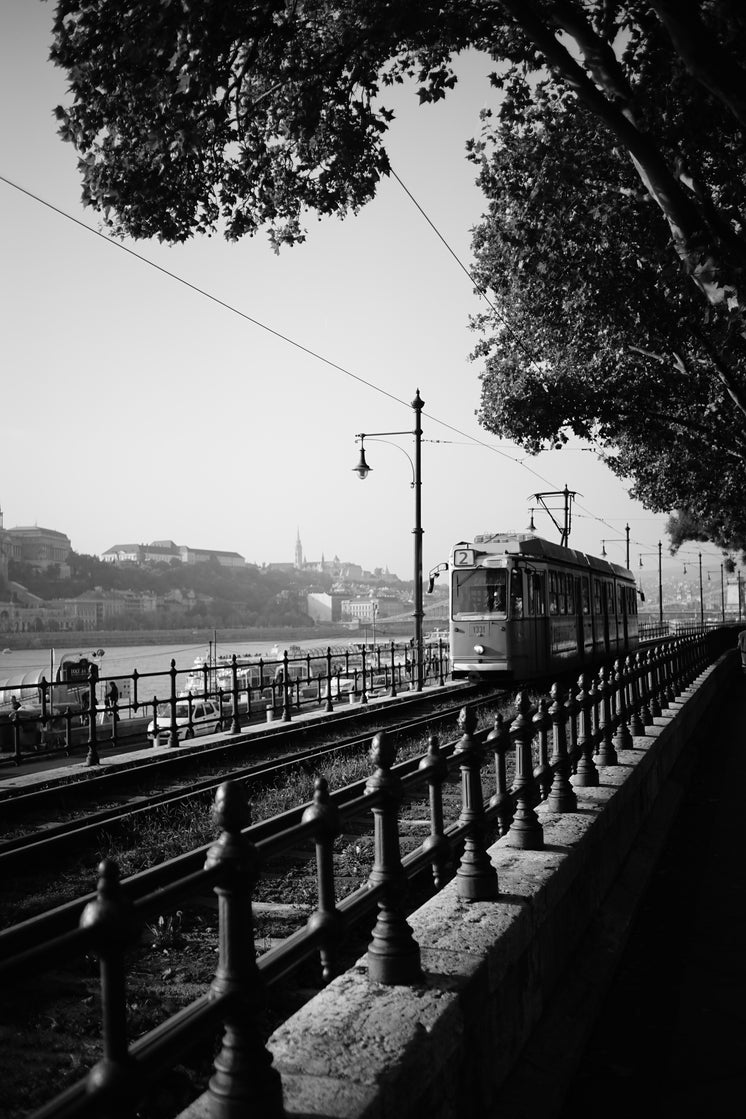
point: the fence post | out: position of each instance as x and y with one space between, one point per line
476 876
562 797
329 704
111 920
435 768
235 722
173 731
542 772
393 953
92 757
622 737
606 754
525 832
364 692
586 774
392 693
498 740
244 1081
323 813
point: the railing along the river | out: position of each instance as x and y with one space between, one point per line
166 705
557 743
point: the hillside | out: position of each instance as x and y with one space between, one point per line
207 594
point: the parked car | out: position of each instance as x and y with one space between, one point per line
205 718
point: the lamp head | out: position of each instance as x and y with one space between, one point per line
362 469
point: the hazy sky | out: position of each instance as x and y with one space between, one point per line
137 409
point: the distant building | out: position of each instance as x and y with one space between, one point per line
324 607
166 551
39 547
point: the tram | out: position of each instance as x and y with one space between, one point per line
522 607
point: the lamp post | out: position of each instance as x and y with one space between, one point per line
617 540
708 571
660 577
362 470
701 599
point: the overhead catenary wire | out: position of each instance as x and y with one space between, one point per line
281 336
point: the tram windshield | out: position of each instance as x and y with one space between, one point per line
480 592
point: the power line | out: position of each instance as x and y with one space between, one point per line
286 338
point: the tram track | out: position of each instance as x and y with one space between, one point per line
40 840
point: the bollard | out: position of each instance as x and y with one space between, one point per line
270 713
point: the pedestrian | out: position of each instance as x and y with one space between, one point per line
742 648
111 699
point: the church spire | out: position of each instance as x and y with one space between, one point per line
298 551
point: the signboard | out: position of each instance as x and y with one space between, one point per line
77 672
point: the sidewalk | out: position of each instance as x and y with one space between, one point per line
671 1036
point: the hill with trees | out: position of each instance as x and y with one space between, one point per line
200 595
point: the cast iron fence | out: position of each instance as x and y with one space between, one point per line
556 744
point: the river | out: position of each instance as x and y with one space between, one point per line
120 661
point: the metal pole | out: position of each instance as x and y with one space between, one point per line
701 599
722 592
660 583
418 403
626 532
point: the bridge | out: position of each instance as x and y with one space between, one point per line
483 1001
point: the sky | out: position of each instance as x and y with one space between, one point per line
137 409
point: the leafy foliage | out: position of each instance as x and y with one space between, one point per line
614 167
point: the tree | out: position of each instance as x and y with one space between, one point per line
200 115
579 266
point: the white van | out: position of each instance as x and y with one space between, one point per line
205 718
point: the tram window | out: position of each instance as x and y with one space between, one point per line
585 595
516 594
479 591
610 597
620 601
553 592
535 587
597 604
570 594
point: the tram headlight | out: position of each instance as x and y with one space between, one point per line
479 649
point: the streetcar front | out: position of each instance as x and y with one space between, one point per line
482 587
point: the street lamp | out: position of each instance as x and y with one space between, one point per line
701 599
363 470
660 577
617 540
708 570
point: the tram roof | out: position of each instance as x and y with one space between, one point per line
526 543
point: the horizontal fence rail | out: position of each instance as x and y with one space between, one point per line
178 704
544 749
